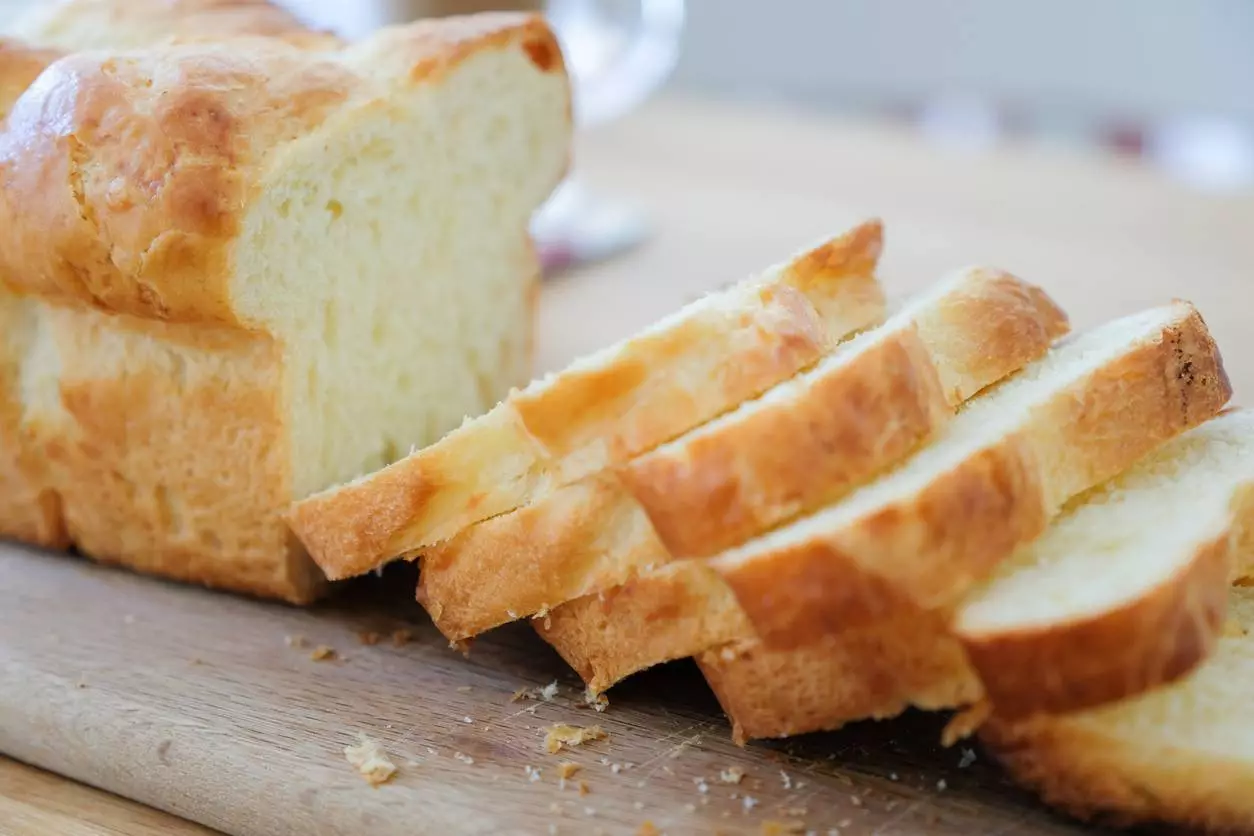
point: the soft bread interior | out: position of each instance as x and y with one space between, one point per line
1115 542
982 421
389 254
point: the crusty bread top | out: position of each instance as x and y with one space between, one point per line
126 176
76 25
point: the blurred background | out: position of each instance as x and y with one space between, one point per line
1161 79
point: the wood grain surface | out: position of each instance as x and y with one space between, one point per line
195 704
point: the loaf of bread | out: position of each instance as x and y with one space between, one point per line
1181 754
603 409
218 252
801 443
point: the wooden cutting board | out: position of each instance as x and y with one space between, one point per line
198 704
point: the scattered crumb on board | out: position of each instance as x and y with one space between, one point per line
782 828
370 761
545 693
567 769
401 637
731 775
647 828
561 734
323 653
369 637
296 641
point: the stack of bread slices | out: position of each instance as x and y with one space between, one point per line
842 508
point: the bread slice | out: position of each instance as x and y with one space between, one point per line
923 534
1181 754
805 443
227 244
605 408
1123 592
75 25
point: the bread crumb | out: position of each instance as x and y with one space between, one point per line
370 761
647 828
941 785
401 637
785 780
732 775
844 822
462 646
855 800
561 734
702 786
467 720
795 812
369 637
464 758
616 768
464 689
533 774
892 776
296 641
584 789
566 769
749 802
546 693
322 653
968 758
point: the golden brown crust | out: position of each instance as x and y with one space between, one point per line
87 219
1117 781
666 614
930 547
720 488
163 457
629 407
868 673
1155 638
662 383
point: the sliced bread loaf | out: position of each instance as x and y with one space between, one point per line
839 425
620 402
800 444
1181 754
923 534
227 245
1124 591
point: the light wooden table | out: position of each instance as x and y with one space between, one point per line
730 189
